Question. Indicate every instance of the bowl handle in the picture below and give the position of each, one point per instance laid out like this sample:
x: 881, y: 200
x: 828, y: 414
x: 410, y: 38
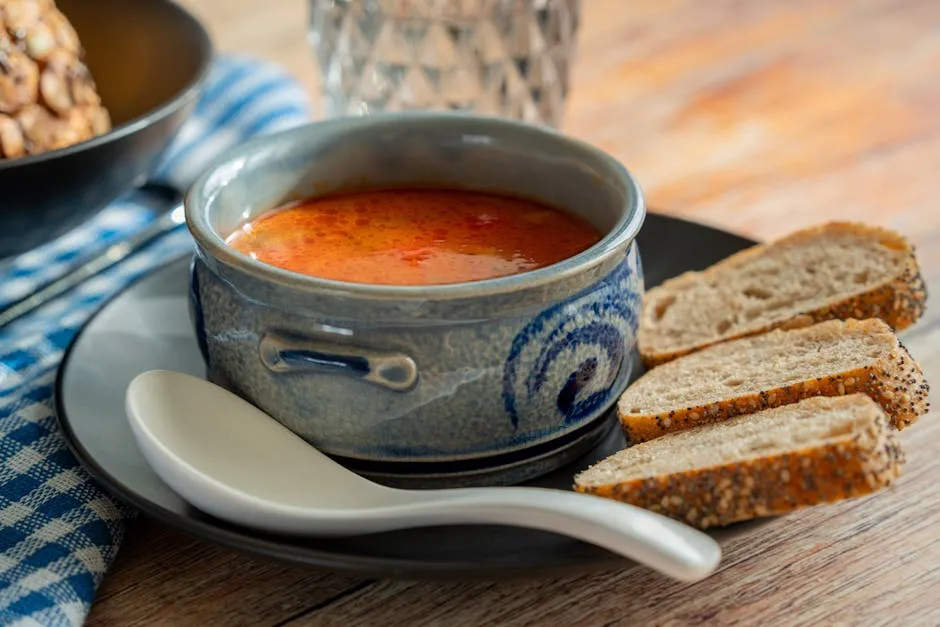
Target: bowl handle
x: 285, y: 353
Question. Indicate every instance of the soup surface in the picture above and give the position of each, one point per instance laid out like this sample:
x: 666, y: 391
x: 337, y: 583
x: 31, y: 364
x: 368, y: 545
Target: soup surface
x: 413, y: 236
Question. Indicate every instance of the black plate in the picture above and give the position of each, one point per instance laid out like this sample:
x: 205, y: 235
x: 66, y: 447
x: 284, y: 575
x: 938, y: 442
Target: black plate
x: 147, y: 327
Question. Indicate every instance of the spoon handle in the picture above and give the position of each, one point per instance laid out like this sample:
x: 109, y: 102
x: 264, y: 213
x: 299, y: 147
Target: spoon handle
x: 664, y: 544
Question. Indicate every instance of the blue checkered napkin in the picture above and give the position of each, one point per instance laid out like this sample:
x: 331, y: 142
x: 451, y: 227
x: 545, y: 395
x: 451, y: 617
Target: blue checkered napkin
x: 58, y: 531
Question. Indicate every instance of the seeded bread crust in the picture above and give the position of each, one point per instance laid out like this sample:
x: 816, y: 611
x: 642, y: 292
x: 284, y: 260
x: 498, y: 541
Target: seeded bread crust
x: 900, y: 302
x: 856, y: 465
x: 896, y: 382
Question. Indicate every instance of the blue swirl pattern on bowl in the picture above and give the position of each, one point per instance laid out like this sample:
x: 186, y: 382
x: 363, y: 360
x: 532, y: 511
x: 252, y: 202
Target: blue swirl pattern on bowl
x: 597, y: 329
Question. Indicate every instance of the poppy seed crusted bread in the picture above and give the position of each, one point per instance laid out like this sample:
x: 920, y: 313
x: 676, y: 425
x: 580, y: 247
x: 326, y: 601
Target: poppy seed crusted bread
x: 742, y: 376
x: 837, y: 270
x: 819, y: 450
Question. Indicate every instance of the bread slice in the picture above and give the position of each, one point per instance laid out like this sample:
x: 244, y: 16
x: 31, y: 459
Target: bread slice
x: 819, y: 450
x: 831, y: 358
x: 835, y: 271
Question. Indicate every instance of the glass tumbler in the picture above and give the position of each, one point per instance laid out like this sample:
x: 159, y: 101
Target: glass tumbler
x: 510, y: 58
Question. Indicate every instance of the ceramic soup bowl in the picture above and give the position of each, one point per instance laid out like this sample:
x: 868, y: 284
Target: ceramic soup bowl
x: 493, y: 381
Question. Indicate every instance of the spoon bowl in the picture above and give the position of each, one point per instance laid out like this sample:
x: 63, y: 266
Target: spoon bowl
x: 227, y: 458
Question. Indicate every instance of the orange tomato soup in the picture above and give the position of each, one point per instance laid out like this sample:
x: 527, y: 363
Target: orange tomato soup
x: 413, y: 236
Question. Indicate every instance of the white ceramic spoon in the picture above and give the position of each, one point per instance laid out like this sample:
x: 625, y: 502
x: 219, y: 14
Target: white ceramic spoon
x: 229, y: 459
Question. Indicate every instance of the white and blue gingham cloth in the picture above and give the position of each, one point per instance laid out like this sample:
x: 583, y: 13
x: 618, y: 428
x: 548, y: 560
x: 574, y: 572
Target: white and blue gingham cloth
x: 58, y: 531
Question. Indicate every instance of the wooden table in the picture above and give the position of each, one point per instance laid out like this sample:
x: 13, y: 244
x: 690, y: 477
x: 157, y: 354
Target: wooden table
x: 759, y: 116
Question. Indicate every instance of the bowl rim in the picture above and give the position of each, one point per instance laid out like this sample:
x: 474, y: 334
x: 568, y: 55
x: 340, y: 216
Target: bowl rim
x: 213, y: 244
x: 185, y: 95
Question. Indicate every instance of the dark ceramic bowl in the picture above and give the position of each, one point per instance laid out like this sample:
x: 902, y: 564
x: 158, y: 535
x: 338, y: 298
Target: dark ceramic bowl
x: 149, y: 59
x: 492, y: 381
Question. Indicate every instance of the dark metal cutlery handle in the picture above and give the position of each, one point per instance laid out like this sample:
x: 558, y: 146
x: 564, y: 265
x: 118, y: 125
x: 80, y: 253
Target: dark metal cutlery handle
x: 165, y: 223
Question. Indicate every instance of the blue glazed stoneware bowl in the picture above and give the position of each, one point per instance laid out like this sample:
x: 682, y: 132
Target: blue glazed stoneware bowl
x: 491, y: 381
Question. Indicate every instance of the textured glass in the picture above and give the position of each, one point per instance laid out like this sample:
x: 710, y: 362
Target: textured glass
x: 503, y: 57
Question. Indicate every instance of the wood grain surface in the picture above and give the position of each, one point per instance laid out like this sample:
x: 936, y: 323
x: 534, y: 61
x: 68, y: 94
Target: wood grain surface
x: 755, y: 115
